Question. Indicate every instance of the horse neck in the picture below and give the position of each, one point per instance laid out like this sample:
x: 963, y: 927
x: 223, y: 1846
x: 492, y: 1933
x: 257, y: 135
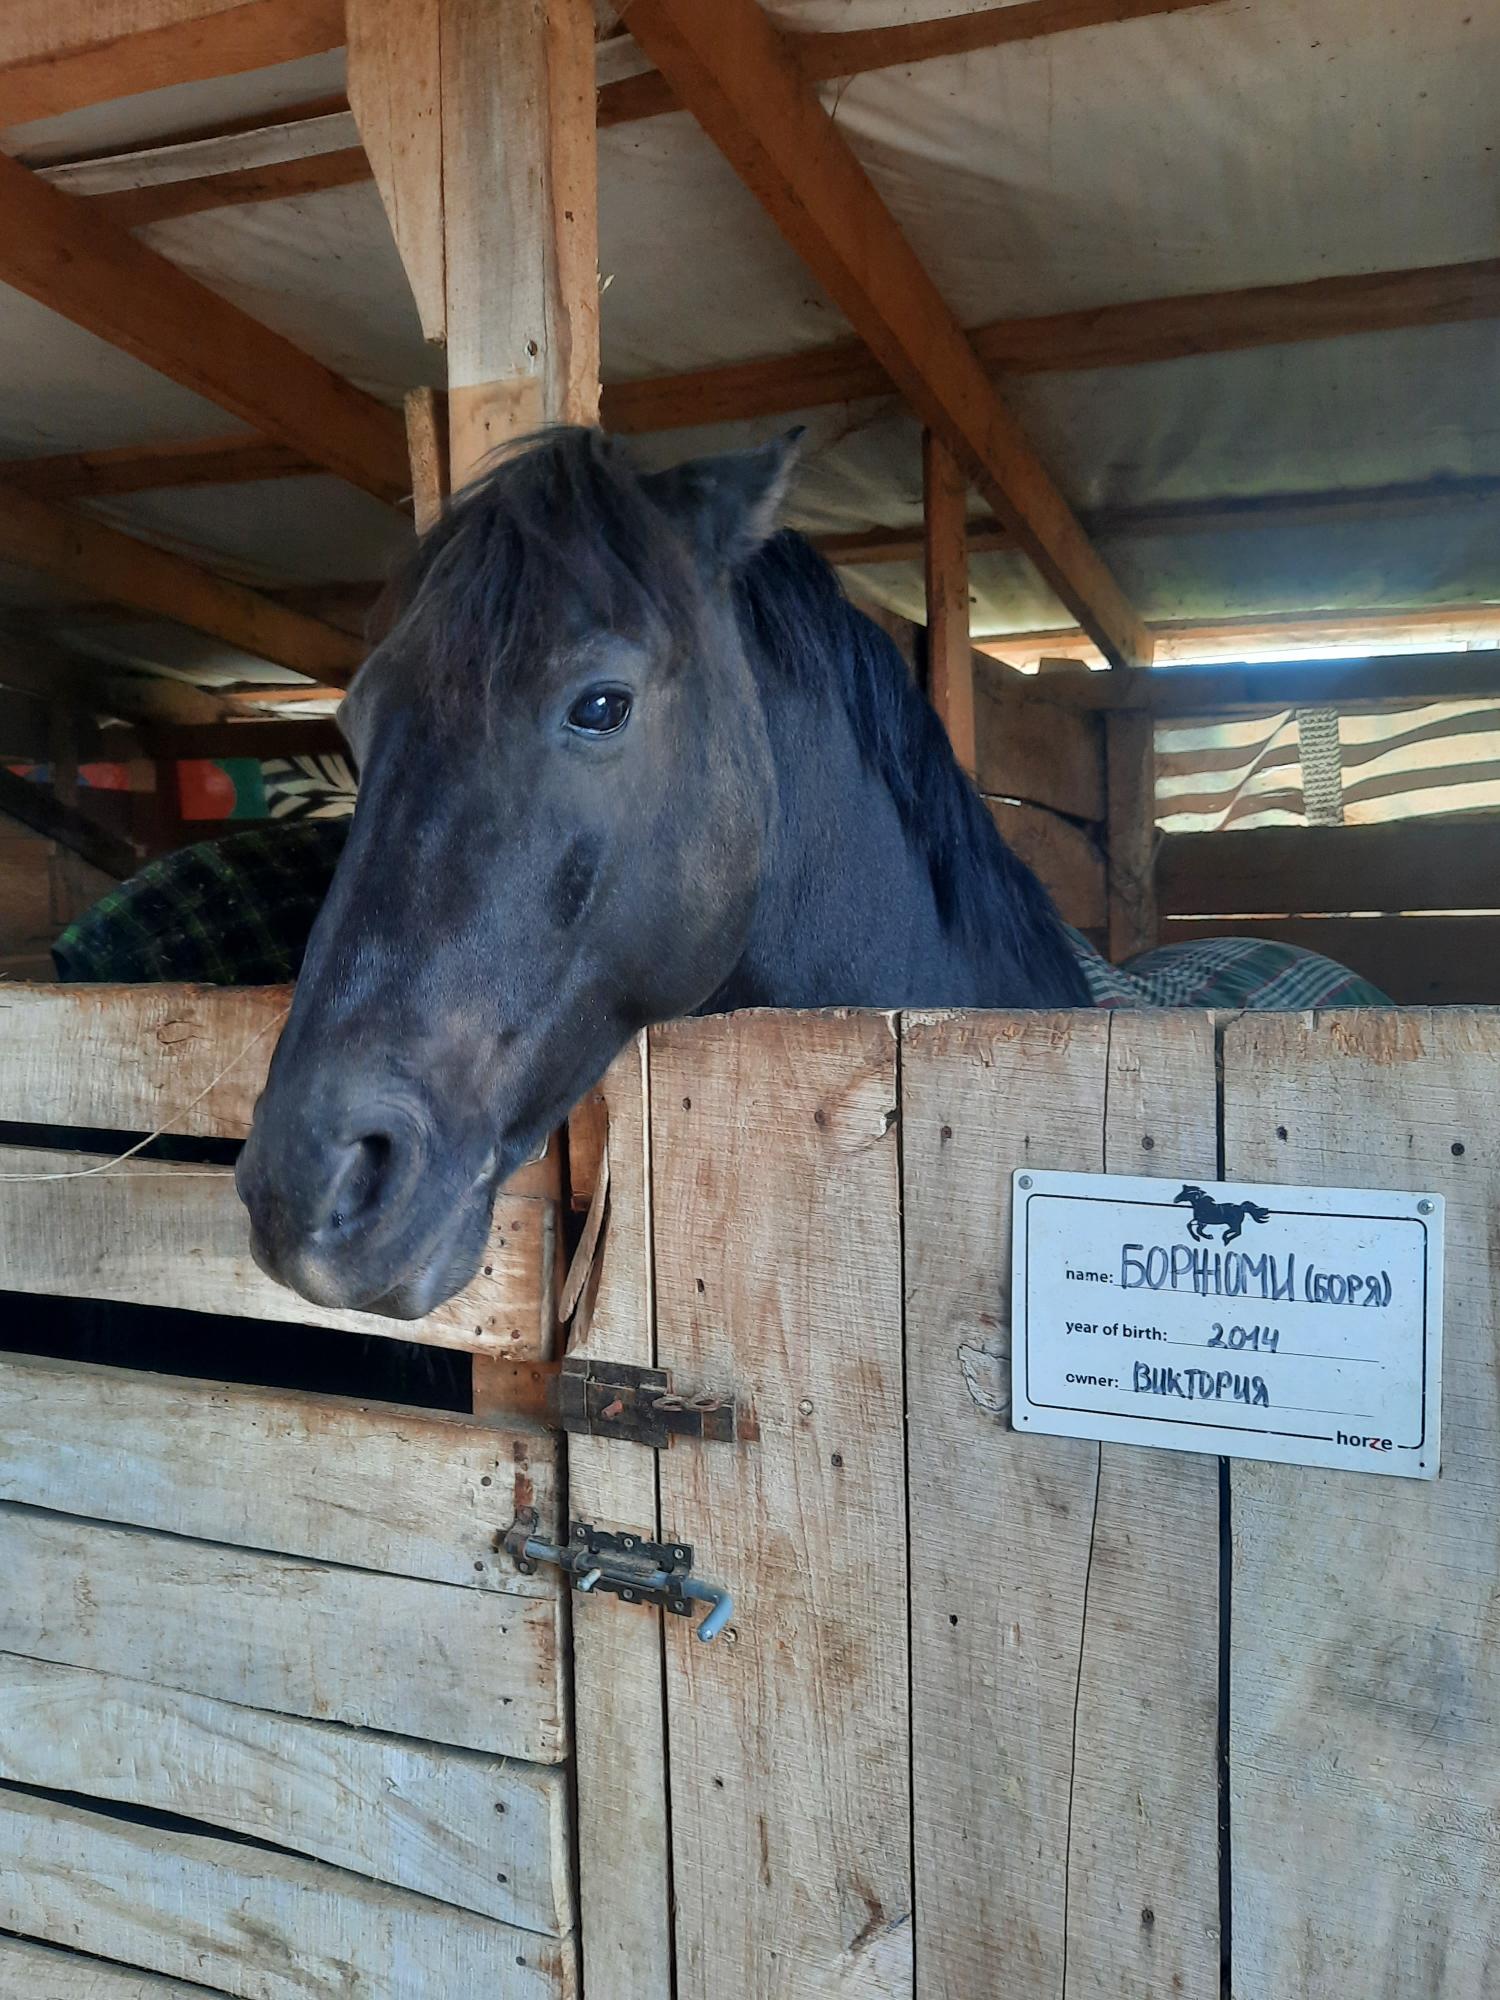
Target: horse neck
x: 846, y: 914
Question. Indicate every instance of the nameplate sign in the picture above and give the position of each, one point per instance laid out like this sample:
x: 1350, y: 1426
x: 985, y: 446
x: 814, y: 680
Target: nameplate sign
x: 1301, y: 1325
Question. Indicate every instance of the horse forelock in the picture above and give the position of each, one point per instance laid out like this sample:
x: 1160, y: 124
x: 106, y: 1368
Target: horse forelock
x: 554, y: 539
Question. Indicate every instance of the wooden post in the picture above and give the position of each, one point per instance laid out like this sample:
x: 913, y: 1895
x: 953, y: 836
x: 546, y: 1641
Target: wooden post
x: 950, y: 663
x: 427, y: 448
x: 1130, y: 779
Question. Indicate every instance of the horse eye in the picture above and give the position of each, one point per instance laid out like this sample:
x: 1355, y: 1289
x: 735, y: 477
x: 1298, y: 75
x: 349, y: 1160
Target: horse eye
x: 600, y: 712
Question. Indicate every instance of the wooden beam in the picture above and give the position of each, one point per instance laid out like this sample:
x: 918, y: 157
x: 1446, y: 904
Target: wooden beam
x: 58, y: 55
x: 96, y: 560
x: 1281, y: 871
x: 33, y: 664
x: 43, y: 812
x: 236, y: 187
x: 79, y: 264
x: 395, y: 93
x: 94, y: 475
x: 313, y: 736
x: 1370, y: 682
x: 1111, y: 336
x: 735, y: 74
x: 1130, y: 833
x: 821, y: 57
x: 1417, y: 961
x: 950, y: 659
x: 427, y: 448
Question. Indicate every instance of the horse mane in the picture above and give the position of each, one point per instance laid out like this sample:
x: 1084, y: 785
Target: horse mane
x: 480, y: 598
x: 807, y: 632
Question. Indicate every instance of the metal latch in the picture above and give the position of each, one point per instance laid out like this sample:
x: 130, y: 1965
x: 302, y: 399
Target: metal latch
x: 627, y: 1566
x: 614, y: 1399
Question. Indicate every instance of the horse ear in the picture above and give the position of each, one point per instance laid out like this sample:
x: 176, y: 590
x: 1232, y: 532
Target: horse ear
x: 727, y: 505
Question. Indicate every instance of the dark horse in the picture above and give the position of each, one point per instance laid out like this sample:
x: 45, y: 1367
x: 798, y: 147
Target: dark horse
x: 625, y: 754
x: 1210, y: 1214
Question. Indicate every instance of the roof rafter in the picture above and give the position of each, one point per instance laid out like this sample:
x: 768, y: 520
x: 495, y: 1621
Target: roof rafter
x: 75, y: 262
x: 100, y: 561
x: 1117, y: 336
x: 732, y: 69
x: 58, y: 55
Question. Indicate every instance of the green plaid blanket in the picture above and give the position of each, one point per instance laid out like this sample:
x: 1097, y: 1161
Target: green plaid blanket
x: 237, y: 911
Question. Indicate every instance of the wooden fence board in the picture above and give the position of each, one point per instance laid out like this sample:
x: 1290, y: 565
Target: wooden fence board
x: 1034, y: 749
x: 777, y: 1245
x: 1417, y: 961
x: 486, y: 1833
x: 1365, y: 1631
x: 1280, y: 871
x: 465, y: 1667
x: 43, y: 1972
x: 407, y: 1492
x: 168, y: 1235
x: 253, y: 1923
x: 1143, y: 1850
x: 1000, y: 1526
x: 1066, y: 1814
x: 619, y: 1720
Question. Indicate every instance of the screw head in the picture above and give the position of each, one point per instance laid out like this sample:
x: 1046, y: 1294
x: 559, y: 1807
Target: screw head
x: 1024, y: 1181
x: 1424, y: 1208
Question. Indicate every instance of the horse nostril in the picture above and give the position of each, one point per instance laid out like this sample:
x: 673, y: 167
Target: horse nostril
x: 365, y: 1172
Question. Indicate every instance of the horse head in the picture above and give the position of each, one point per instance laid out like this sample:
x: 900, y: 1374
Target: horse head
x: 565, y: 788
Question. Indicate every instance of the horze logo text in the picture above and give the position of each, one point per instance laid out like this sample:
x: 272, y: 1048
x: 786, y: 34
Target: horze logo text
x: 1368, y: 1444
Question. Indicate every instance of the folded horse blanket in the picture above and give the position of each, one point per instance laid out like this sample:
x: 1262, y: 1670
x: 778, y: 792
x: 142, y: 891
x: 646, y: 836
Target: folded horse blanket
x: 237, y: 911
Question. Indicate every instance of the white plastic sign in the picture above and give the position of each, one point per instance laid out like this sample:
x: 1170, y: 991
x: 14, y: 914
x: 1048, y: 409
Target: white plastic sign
x: 1302, y: 1325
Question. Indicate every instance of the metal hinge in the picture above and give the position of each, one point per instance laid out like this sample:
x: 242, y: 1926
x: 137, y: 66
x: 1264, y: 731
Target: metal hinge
x: 614, y: 1399
x: 627, y: 1566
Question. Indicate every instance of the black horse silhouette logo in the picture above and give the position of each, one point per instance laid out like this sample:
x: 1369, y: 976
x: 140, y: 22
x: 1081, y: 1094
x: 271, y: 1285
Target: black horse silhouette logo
x: 1210, y: 1214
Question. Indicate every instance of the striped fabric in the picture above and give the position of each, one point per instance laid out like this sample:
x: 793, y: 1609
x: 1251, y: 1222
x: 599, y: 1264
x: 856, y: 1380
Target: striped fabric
x: 1277, y: 769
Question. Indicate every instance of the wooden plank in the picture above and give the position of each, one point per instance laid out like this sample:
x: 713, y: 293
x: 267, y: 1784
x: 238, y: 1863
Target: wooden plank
x: 778, y: 1270
x: 1415, y: 864
x: 43, y: 1972
x: 485, y: 1833
x: 257, y: 1924
x: 1417, y: 961
x: 408, y: 1492
x: 40, y: 810
x: 1062, y: 854
x: 99, y: 561
x: 1065, y: 1815
x: 734, y: 71
x: 1143, y: 1810
x: 624, y: 1869
x: 58, y: 55
x: 427, y: 447
x: 395, y: 93
x: 169, y: 1235
x: 1130, y: 835
x: 75, y: 261
x: 1001, y: 1526
x: 1366, y: 1687
x: 278, y: 180
x: 276, y: 1632
x: 97, y: 475
x: 520, y: 194
x: 950, y: 659
x: 1032, y: 749
x: 1104, y: 336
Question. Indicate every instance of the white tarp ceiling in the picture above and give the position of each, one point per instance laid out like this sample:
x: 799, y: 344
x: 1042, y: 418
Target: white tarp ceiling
x: 1246, y: 142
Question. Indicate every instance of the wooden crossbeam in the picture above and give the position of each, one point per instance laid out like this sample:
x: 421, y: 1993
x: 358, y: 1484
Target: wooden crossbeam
x: 235, y: 187
x: 732, y: 69
x: 1117, y: 336
x: 79, y: 264
x: 44, y: 813
x: 96, y: 560
x: 1372, y: 682
x: 950, y: 658
x: 57, y: 55
x: 94, y: 475
x: 822, y: 57
x: 33, y: 664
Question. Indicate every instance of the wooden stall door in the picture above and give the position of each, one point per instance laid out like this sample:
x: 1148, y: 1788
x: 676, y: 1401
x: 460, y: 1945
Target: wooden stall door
x: 960, y: 1739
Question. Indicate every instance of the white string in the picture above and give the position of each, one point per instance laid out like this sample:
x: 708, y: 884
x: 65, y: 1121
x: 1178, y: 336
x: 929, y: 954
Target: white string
x: 107, y: 1166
